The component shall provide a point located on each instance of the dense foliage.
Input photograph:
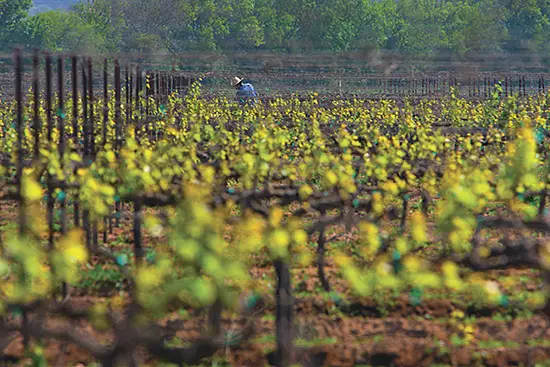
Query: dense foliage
(338, 25)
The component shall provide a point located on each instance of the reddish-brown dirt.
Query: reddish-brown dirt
(354, 341)
(388, 332)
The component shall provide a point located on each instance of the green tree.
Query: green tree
(339, 24)
(58, 30)
(12, 25)
(474, 26)
(378, 24)
(279, 23)
(201, 24)
(419, 26)
(527, 23)
(106, 19)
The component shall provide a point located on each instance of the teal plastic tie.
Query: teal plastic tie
(122, 260)
(415, 296)
(504, 300)
(252, 301)
(396, 255)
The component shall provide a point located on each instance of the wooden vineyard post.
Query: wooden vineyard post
(215, 318)
(425, 87)
(506, 86)
(129, 112)
(457, 85)
(138, 105)
(283, 319)
(61, 150)
(118, 130)
(127, 119)
(107, 223)
(521, 88)
(61, 146)
(542, 204)
(147, 92)
(91, 121)
(49, 178)
(105, 104)
(157, 90)
(405, 207)
(95, 239)
(321, 258)
(399, 87)
(127, 109)
(171, 88)
(86, 155)
(138, 250)
(76, 144)
(19, 142)
(117, 137)
(544, 192)
(23, 227)
(37, 126)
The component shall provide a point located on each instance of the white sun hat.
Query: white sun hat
(235, 81)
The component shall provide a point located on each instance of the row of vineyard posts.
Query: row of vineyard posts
(83, 142)
(153, 87)
(477, 87)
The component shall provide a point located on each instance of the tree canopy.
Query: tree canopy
(424, 26)
(12, 15)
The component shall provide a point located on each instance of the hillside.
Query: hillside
(45, 5)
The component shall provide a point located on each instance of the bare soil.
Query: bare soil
(383, 332)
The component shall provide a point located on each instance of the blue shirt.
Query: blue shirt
(246, 93)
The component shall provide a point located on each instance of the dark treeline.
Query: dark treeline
(416, 26)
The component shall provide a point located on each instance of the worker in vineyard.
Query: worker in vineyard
(245, 92)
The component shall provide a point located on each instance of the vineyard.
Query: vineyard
(184, 229)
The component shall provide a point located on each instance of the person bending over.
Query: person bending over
(245, 92)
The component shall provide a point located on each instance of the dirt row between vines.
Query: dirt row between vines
(361, 332)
